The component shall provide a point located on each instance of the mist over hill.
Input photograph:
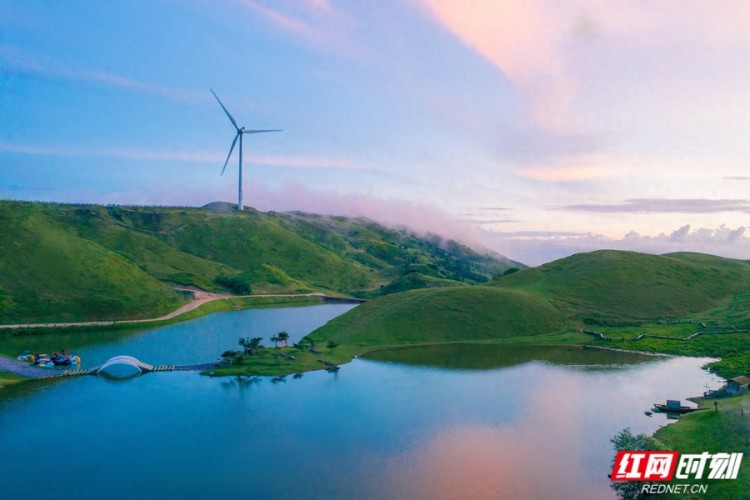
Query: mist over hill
(65, 262)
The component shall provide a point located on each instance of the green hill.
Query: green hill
(62, 262)
(49, 274)
(603, 287)
(614, 287)
(443, 315)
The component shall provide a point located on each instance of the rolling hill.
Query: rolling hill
(617, 287)
(443, 315)
(61, 262)
(602, 288)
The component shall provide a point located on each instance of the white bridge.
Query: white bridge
(125, 360)
(37, 373)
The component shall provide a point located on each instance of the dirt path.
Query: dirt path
(199, 298)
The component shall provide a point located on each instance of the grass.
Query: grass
(442, 315)
(620, 293)
(10, 379)
(619, 288)
(268, 363)
(732, 348)
(49, 274)
(71, 263)
(726, 430)
(550, 304)
(413, 281)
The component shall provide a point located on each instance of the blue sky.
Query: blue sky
(532, 127)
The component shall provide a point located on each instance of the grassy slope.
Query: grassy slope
(47, 273)
(397, 253)
(107, 227)
(611, 287)
(604, 288)
(443, 315)
(247, 243)
(416, 280)
(80, 262)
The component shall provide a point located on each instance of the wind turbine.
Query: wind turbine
(240, 132)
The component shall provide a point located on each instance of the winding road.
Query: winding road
(199, 298)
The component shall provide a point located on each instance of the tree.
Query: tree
(251, 345)
(275, 339)
(255, 345)
(283, 337)
(243, 343)
(237, 284)
(625, 440)
(331, 345)
(229, 356)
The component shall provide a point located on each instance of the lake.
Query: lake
(472, 420)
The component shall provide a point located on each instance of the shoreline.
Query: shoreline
(194, 309)
(645, 353)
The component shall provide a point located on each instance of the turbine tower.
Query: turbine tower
(240, 132)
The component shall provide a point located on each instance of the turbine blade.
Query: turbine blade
(230, 153)
(225, 110)
(261, 131)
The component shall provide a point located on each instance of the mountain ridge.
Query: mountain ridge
(214, 248)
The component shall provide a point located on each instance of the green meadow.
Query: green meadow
(621, 294)
(68, 263)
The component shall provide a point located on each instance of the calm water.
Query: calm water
(535, 424)
(197, 341)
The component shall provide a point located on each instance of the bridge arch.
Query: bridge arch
(125, 360)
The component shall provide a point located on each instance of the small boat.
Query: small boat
(61, 361)
(42, 359)
(674, 406)
(47, 361)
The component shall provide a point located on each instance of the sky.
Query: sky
(536, 128)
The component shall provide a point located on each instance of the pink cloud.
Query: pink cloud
(523, 40)
(421, 217)
(570, 169)
(554, 51)
(316, 22)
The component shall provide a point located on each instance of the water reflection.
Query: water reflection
(523, 462)
(201, 340)
(470, 356)
(545, 435)
(533, 424)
